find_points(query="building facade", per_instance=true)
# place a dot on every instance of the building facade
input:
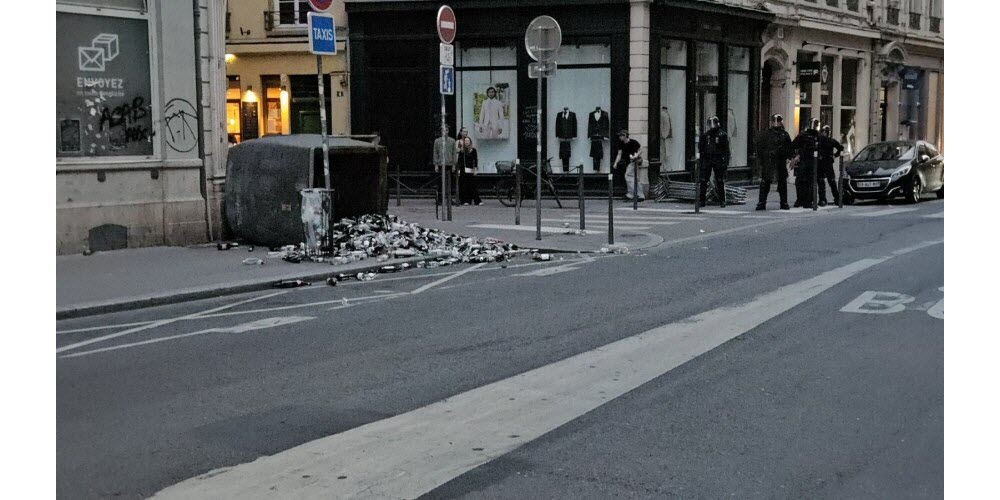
(271, 82)
(135, 133)
(658, 68)
(881, 67)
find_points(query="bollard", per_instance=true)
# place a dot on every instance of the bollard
(635, 186)
(697, 185)
(517, 188)
(583, 219)
(840, 184)
(611, 207)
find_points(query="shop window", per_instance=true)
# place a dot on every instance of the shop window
(582, 84)
(804, 98)
(673, 104)
(707, 86)
(275, 106)
(708, 64)
(233, 97)
(486, 102)
(292, 12)
(848, 104)
(738, 112)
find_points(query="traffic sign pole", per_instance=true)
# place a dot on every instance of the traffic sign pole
(538, 164)
(447, 27)
(543, 50)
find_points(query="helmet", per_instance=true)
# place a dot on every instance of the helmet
(713, 122)
(623, 132)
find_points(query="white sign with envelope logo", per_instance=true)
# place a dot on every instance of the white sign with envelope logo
(103, 48)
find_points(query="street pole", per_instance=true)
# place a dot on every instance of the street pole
(697, 183)
(538, 155)
(815, 173)
(326, 140)
(517, 189)
(445, 187)
(635, 186)
(840, 184)
(611, 206)
(583, 219)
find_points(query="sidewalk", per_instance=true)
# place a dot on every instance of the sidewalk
(144, 277)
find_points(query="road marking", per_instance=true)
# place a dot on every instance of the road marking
(800, 210)
(937, 310)
(260, 324)
(549, 271)
(604, 216)
(939, 215)
(688, 211)
(870, 302)
(882, 213)
(162, 322)
(446, 279)
(411, 454)
(545, 229)
(618, 222)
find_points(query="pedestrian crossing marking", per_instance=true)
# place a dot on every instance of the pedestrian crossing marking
(618, 221)
(531, 227)
(887, 211)
(939, 215)
(600, 216)
(686, 210)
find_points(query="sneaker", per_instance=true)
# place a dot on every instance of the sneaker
(761, 207)
(784, 206)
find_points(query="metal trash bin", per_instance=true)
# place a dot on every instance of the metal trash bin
(265, 177)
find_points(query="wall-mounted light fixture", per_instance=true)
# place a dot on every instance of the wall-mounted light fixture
(249, 95)
(230, 58)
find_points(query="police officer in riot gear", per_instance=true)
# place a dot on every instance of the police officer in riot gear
(714, 148)
(806, 146)
(774, 149)
(829, 149)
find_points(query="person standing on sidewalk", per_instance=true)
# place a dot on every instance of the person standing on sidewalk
(714, 148)
(806, 145)
(631, 151)
(774, 149)
(829, 149)
(445, 153)
(468, 164)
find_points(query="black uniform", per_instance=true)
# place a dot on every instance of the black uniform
(774, 149)
(714, 148)
(829, 148)
(468, 162)
(805, 145)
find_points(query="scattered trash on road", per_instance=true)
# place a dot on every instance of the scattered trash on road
(253, 262)
(227, 245)
(291, 284)
(332, 281)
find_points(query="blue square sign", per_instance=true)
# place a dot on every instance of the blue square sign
(322, 34)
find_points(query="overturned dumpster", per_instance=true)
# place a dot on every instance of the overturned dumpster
(264, 177)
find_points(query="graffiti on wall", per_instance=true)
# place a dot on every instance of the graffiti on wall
(181, 123)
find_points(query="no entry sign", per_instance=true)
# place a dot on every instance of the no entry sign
(446, 24)
(320, 5)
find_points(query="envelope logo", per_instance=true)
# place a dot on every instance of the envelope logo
(103, 48)
(91, 59)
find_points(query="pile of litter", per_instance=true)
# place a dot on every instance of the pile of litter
(685, 191)
(382, 237)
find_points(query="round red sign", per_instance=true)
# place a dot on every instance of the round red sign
(446, 24)
(320, 5)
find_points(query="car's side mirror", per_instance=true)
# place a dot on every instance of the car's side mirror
(924, 158)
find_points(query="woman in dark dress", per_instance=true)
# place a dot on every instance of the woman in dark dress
(468, 164)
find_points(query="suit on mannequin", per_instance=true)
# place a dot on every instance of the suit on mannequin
(565, 132)
(598, 129)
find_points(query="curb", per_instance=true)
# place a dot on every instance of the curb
(198, 293)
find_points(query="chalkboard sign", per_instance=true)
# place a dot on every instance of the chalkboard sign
(529, 124)
(249, 126)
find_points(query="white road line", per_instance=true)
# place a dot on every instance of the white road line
(618, 222)
(939, 215)
(649, 217)
(162, 322)
(246, 327)
(446, 279)
(688, 210)
(411, 454)
(884, 212)
(529, 227)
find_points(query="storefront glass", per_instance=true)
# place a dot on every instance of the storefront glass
(233, 109)
(739, 105)
(804, 98)
(580, 86)
(486, 101)
(273, 124)
(673, 104)
(848, 104)
(707, 86)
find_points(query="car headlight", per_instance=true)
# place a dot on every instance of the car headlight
(899, 173)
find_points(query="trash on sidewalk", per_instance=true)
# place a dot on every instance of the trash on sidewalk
(332, 281)
(227, 245)
(618, 249)
(543, 257)
(290, 284)
(253, 262)
(366, 276)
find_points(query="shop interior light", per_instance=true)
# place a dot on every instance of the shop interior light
(249, 96)
(230, 58)
(284, 93)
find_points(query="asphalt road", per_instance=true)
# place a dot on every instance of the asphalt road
(810, 401)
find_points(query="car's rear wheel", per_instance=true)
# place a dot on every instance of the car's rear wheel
(916, 189)
(940, 193)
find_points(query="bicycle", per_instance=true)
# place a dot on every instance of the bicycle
(506, 189)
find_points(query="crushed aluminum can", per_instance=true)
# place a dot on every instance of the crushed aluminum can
(543, 257)
(343, 276)
(382, 258)
(276, 255)
(332, 281)
(253, 262)
(421, 265)
(388, 269)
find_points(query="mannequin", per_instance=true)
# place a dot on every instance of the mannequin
(598, 130)
(666, 133)
(565, 132)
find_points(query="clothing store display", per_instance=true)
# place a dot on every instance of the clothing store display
(566, 124)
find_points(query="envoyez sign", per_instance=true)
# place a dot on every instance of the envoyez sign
(322, 34)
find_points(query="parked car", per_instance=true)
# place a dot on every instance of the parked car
(885, 170)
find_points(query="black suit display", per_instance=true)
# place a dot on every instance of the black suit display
(565, 132)
(598, 129)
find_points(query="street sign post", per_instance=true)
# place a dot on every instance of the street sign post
(447, 27)
(542, 39)
(320, 5)
(322, 41)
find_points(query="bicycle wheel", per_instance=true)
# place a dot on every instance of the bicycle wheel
(506, 192)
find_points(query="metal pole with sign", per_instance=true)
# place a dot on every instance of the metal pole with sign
(446, 28)
(323, 41)
(542, 40)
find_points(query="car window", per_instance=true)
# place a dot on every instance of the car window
(887, 151)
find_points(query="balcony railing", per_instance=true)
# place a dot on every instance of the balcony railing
(914, 20)
(892, 16)
(935, 24)
(274, 20)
